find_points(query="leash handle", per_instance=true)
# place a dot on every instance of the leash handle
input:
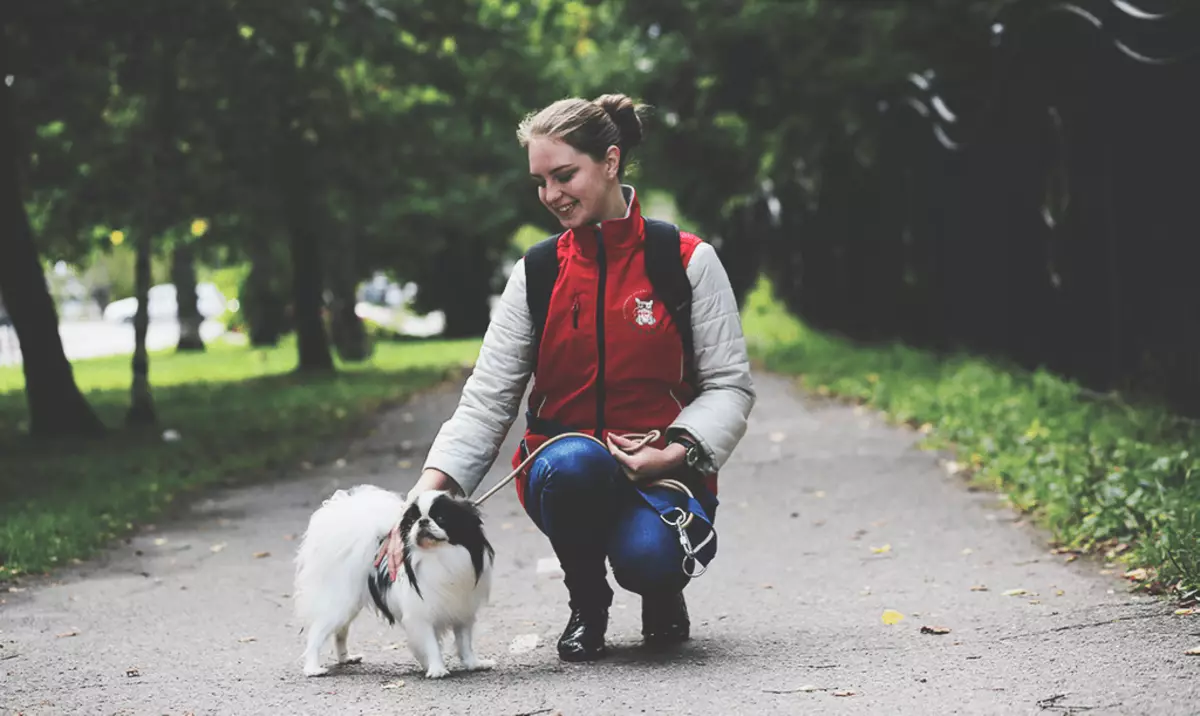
(642, 440)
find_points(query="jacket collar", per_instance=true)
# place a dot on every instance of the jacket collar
(621, 234)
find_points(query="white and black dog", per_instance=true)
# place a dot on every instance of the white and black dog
(445, 580)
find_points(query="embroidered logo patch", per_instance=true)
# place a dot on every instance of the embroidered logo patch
(643, 311)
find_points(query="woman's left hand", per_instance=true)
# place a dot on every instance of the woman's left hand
(648, 462)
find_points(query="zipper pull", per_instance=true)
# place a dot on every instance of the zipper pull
(575, 313)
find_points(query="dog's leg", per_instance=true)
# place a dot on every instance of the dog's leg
(425, 646)
(340, 641)
(464, 637)
(318, 633)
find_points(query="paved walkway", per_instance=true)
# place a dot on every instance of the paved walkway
(194, 616)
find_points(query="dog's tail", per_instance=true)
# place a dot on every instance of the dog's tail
(337, 553)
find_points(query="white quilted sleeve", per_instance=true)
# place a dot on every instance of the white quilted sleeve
(467, 444)
(717, 417)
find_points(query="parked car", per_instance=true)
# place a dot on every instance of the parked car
(165, 307)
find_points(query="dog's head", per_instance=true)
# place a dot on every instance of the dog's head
(436, 519)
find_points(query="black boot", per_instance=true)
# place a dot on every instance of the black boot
(583, 639)
(665, 619)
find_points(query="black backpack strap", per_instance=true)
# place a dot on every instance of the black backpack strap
(541, 272)
(668, 276)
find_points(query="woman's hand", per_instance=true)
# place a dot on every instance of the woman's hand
(393, 545)
(648, 462)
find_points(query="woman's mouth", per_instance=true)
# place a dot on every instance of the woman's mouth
(565, 210)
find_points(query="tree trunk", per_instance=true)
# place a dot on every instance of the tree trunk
(264, 303)
(56, 407)
(183, 275)
(312, 343)
(141, 402)
(464, 298)
(349, 336)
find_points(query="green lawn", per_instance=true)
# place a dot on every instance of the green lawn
(1104, 476)
(241, 415)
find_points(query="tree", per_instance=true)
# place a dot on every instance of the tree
(56, 406)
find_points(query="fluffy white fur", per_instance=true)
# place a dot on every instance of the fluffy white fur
(336, 559)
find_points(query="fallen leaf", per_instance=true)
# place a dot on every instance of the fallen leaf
(935, 630)
(260, 555)
(891, 616)
(16, 590)
(393, 684)
(160, 541)
(1137, 575)
(217, 547)
(979, 588)
(1193, 652)
(768, 586)
(407, 417)
(132, 671)
(1035, 601)
(1015, 592)
(1071, 558)
(843, 693)
(66, 634)
(1059, 592)
(404, 464)
(390, 647)
(882, 550)
(247, 639)
(968, 550)
(341, 462)
(1184, 612)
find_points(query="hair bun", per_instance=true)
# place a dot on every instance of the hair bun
(624, 114)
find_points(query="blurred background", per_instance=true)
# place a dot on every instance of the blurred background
(302, 188)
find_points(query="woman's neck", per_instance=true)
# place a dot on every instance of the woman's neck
(614, 205)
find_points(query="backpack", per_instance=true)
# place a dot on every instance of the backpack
(664, 268)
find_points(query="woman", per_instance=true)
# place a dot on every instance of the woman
(608, 363)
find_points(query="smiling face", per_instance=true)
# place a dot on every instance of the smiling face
(576, 188)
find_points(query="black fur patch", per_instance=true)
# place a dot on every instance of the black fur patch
(464, 527)
(378, 584)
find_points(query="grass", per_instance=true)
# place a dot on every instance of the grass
(1104, 476)
(241, 413)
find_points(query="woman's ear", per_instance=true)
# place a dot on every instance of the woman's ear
(612, 161)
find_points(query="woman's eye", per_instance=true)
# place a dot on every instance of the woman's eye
(564, 178)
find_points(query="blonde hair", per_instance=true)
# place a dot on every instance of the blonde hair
(590, 127)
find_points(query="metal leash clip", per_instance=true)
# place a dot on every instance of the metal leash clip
(689, 552)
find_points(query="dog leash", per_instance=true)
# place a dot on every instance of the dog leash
(641, 440)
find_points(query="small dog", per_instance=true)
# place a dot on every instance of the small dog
(445, 580)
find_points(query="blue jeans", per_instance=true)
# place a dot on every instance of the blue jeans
(580, 499)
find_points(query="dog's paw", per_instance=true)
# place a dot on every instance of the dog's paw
(479, 665)
(315, 671)
(351, 659)
(437, 672)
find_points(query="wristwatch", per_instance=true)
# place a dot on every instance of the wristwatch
(693, 454)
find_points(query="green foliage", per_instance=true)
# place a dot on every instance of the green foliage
(241, 415)
(1098, 473)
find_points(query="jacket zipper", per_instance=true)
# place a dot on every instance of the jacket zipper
(603, 265)
(575, 313)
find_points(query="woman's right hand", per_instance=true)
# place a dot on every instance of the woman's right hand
(393, 544)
